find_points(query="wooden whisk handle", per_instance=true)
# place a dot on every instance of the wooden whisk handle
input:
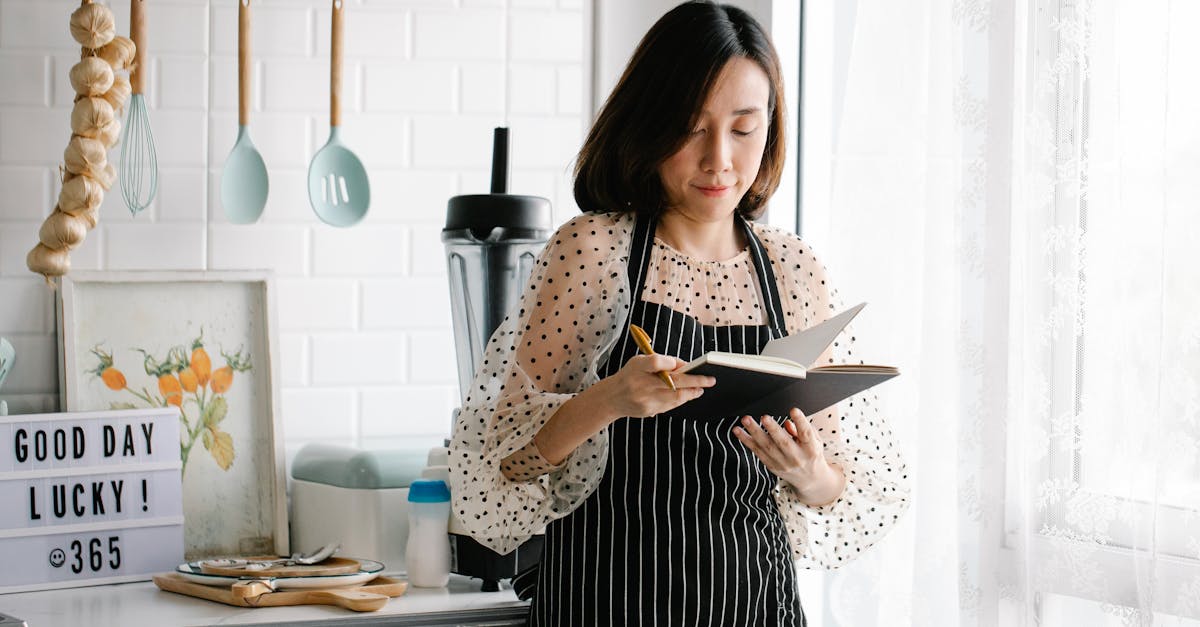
(137, 32)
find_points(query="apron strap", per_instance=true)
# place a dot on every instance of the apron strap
(766, 282)
(640, 249)
(640, 252)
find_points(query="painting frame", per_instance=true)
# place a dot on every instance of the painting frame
(237, 509)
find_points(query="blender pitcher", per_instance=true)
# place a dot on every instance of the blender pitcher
(491, 243)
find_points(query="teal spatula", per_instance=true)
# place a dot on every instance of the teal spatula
(244, 183)
(338, 189)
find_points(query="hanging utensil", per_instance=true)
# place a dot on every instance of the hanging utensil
(139, 159)
(244, 184)
(8, 356)
(338, 189)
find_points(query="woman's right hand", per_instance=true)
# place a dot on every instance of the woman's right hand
(637, 391)
(634, 391)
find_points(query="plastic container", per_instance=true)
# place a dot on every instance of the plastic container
(356, 497)
(437, 465)
(427, 554)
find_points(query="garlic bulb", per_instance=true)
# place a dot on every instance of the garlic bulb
(85, 156)
(119, 52)
(62, 229)
(90, 115)
(107, 176)
(92, 76)
(93, 26)
(88, 217)
(80, 193)
(119, 92)
(110, 133)
(48, 261)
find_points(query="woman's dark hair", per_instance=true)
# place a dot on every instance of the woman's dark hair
(657, 101)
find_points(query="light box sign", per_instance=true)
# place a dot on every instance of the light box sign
(89, 497)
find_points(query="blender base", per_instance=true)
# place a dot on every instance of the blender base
(473, 559)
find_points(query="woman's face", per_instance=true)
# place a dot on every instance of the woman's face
(707, 178)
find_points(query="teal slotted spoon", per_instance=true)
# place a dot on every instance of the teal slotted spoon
(338, 189)
(244, 184)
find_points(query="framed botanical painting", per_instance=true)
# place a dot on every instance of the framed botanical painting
(206, 343)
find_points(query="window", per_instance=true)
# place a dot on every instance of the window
(1115, 301)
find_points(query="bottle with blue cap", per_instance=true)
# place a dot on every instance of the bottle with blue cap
(428, 550)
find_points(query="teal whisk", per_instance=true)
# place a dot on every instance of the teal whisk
(139, 160)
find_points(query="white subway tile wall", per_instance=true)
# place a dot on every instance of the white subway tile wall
(365, 345)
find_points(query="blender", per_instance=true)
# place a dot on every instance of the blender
(492, 241)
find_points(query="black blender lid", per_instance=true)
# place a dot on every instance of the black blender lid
(487, 211)
(483, 212)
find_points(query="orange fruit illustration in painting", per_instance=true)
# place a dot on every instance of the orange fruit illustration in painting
(113, 378)
(201, 364)
(222, 379)
(188, 379)
(170, 388)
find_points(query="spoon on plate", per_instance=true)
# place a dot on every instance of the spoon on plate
(303, 559)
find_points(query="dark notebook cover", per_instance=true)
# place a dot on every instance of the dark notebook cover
(740, 391)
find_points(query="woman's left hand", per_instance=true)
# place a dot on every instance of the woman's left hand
(795, 453)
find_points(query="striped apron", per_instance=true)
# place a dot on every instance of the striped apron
(683, 528)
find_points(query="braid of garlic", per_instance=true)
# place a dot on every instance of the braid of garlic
(101, 92)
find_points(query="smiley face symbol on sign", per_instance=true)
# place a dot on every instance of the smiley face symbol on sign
(57, 558)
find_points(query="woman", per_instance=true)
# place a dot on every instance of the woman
(652, 519)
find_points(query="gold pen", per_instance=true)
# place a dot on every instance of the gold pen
(643, 342)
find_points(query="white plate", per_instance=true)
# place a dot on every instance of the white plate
(368, 570)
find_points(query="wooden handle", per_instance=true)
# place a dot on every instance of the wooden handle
(174, 582)
(137, 32)
(335, 66)
(383, 586)
(244, 76)
(350, 599)
(250, 589)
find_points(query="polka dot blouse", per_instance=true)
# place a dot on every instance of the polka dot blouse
(572, 313)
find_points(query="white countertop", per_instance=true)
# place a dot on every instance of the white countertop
(142, 603)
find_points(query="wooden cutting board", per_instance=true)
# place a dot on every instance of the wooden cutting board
(366, 598)
(330, 566)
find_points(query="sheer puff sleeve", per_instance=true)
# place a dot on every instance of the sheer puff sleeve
(856, 436)
(547, 350)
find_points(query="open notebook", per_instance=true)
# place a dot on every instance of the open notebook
(781, 377)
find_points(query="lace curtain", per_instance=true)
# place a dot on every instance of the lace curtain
(1015, 190)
